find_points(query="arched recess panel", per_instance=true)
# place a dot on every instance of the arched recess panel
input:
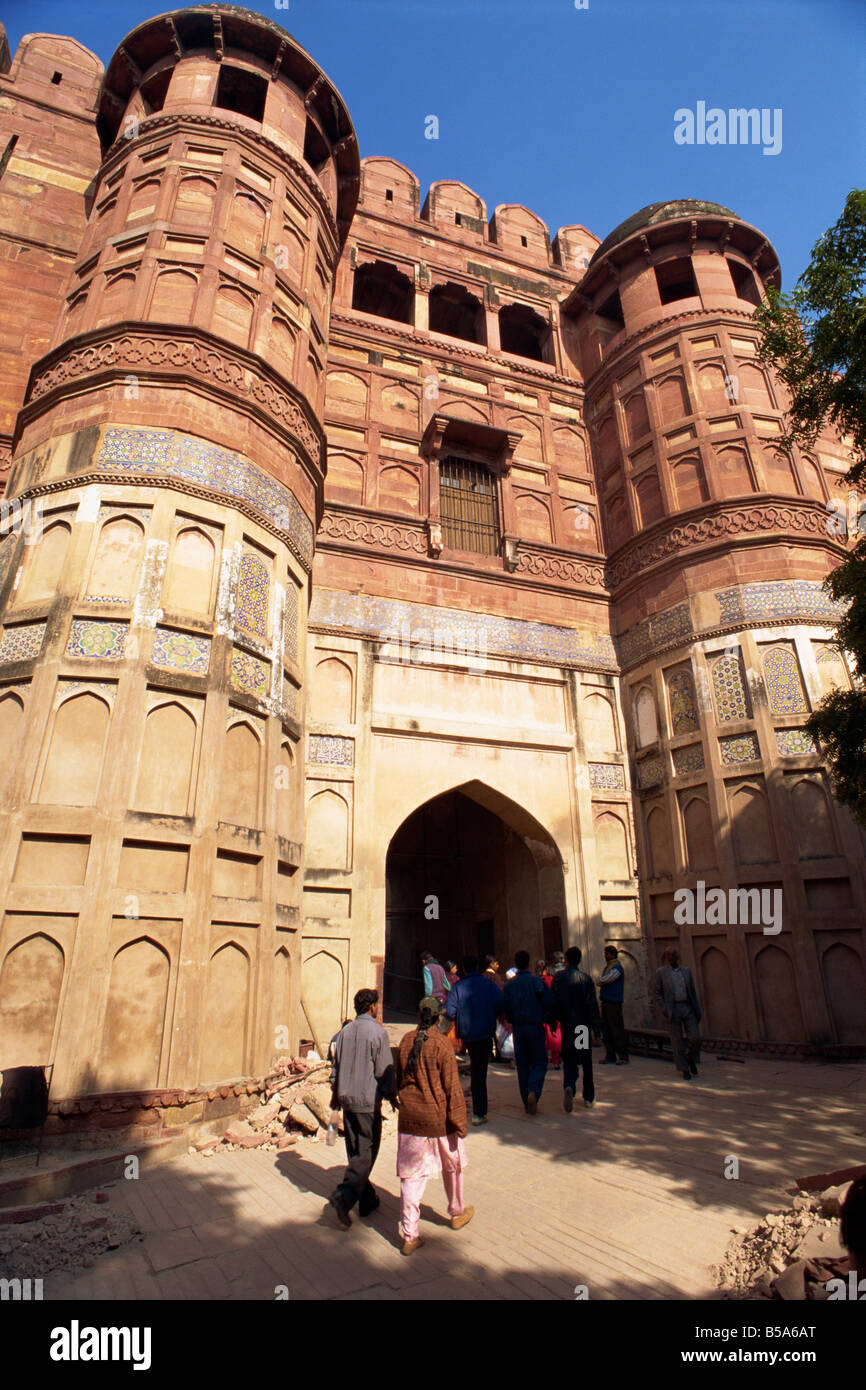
(173, 297)
(659, 839)
(232, 314)
(11, 727)
(645, 721)
(698, 828)
(718, 995)
(612, 847)
(649, 498)
(195, 199)
(532, 519)
(322, 996)
(598, 722)
(813, 820)
(43, 565)
(634, 1003)
(332, 692)
(165, 771)
(134, 1028)
(845, 987)
(689, 483)
(239, 803)
(781, 1015)
(399, 490)
(327, 831)
(754, 841)
(30, 981)
(246, 222)
(284, 1001)
(286, 793)
(189, 582)
(114, 573)
(223, 1043)
(74, 763)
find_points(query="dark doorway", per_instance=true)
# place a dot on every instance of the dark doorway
(552, 927)
(461, 880)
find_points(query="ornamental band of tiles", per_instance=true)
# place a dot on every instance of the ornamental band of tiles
(342, 527)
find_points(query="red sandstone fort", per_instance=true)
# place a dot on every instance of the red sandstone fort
(408, 578)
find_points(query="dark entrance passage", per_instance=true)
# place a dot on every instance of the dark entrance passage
(462, 879)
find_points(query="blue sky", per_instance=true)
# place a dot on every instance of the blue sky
(571, 112)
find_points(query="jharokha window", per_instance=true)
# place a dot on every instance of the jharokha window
(467, 500)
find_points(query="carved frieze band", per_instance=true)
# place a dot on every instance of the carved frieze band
(360, 530)
(795, 516)
(562, 567)
(136, 351)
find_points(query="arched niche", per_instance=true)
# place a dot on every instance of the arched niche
(42, 568)
(189, 581)
(73, 766)
(845, 986)
(532, 518)
(645, 718)
(754, 842)
(239, 802)
(659, 840)
(165, 768)
(30, 982)
(327, 831)
(611, 840)
(719, 1001)
(117, 561)
(224, 1032)
(135, 1017)
(332, 692)
(173, 297)
(698, 828)
(599, 726)
(779, 1000)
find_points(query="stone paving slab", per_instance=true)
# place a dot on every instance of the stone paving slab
(628, 1198)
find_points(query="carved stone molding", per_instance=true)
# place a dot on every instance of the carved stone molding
(361, 530)
(137, 350)
(561, 567)
(797, 516)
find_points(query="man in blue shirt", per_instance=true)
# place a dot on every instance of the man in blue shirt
(528, 1004)
(612, 990)
(476, 1003)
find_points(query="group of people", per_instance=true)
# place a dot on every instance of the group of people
(420, 1078)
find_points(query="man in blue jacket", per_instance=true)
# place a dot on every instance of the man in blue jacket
(476, 1003)
(528, 1003)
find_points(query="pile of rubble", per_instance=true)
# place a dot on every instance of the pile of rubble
(67, 1235)
(790, 1254)
(296, 1105)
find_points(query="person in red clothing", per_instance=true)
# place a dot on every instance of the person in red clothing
(431, 1124)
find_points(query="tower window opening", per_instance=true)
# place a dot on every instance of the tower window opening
(676, 280)
(523, 241)
(241, 91)
(56, 78)
(611, 310)
(154, 91)
(744, 282)
(317, 151)
(524, 333)
(467, 502)
(389, 195)
(453, 310)
(381, 289)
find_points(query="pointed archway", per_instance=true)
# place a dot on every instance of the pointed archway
(469, 872)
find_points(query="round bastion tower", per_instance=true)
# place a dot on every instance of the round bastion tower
(151, 655)
(717, 544)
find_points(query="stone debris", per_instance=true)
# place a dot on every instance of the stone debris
(69, 1237)
(788, 1255)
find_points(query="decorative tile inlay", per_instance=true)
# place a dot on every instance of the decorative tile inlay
(650, 773)
(787, 598)
(652, 633)
(684, 711)
(291, 638)
(609, 776)
(253, 592)
(782, 679)
(250, 674)
(793, 743)
(291, 699)
(181, 651)
(741, 749)
(95, 639)
(689, 759)
(728, 689)
(473, 635)
(106, 598)
(183, 456)
(335, 751)
(20, 643)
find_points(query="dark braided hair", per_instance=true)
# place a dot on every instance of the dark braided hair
(427, 1019)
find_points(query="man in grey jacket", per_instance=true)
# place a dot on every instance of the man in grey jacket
(363, 1073)
(675, 993)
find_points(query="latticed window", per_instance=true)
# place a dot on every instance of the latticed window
(467, 493)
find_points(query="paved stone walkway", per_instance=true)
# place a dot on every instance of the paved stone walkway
(628, 1198)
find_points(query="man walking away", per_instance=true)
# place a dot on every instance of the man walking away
(612, 990)
(528, 1004)
(436, 985)
(576, 1008)
(675, 992)
(362, 1074)
(476, 1002)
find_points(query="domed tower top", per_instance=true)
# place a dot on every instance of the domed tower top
(685, 255)
(165, 65)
